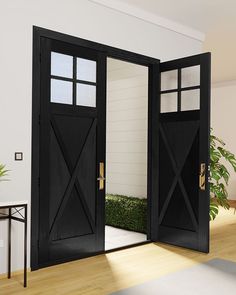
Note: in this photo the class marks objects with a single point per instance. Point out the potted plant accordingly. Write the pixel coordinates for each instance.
(219, 175)
(3, 172)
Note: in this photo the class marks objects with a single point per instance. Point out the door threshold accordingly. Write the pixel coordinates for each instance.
(127, 246)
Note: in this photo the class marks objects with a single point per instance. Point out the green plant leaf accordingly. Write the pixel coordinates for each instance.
(219, 174)
(216, 139)
(214, 210)
(3, 172)
(228, 157)
(215, 155)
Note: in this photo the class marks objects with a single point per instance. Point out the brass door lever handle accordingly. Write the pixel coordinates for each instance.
(202, 177)
(101, 177)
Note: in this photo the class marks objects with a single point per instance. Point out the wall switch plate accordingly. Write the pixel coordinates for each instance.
(18, 156)
(1, 243)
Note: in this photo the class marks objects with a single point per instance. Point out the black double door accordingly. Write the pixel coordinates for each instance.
(72, 122)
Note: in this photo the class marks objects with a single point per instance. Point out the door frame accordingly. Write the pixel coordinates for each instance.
(153, 118)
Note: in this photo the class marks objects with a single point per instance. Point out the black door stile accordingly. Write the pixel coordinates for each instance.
(43, 238)
(204, 197)
(101, 148)
(183, 203)
(153, 150)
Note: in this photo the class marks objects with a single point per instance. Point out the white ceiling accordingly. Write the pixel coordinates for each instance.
(201, 15)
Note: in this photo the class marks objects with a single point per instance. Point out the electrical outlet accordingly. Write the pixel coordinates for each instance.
(1, 244)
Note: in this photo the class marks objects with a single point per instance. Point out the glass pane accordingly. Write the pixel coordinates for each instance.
(190, 76)
(61, 91)
(169, 80)
(61, 65)
(169, 102)
(86, 95)
(86, 70)
(190, 100)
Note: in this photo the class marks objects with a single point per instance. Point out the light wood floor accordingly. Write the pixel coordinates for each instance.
(118, 270)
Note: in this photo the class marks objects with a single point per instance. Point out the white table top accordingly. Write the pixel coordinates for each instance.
(12, 203)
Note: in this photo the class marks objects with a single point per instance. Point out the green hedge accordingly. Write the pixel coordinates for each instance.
(126, 212)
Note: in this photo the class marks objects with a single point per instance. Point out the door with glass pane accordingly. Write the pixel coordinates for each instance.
(72, 152)
(184, 127)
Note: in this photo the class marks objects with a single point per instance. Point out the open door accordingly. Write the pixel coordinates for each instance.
(183, 131)
(72, 152)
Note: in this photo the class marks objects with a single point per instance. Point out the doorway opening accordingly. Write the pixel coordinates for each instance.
(126, 154)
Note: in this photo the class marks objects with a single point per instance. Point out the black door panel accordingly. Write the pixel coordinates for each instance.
(184, 128)
(71, 206)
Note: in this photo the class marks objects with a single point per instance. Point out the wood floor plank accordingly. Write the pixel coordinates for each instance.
(104, 274)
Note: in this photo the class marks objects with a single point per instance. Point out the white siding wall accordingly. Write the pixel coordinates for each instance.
(127, 107)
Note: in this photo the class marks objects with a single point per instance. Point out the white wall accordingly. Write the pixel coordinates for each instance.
(223, 121)
(126, 148)
(222, 45)
(76, 17)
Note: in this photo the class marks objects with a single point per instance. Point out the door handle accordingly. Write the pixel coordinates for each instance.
(101, 179)
(202, 177)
